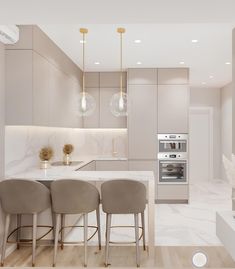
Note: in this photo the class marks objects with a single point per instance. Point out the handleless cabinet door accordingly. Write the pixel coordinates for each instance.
(173, 104)
(111, 165)
(107, 119)
(93, 121)
(173, 76)
(41, 90)
(142, 122)
(19, 87)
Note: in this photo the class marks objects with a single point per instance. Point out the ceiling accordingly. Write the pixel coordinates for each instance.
(165, 27)
(162, 45)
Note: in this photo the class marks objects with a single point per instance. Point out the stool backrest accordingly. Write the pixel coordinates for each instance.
(19, 196)
(71, 196)
(123, 196)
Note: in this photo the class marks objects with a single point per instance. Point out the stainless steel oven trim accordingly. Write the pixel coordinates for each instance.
(173, 183)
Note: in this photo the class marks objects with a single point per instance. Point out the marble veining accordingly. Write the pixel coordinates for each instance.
(23, 143)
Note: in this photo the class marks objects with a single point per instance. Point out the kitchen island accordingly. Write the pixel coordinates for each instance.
(96, 178)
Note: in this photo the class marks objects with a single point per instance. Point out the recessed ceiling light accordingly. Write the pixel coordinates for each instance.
(138, 63)
(227, 63)
(203, 83)
(81, 41)
(96, 63)
(182, 62)
(211, 76)
(137, 41)
(194, 41)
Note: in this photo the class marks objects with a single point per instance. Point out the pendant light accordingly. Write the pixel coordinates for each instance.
(118, 103)
(86, 102)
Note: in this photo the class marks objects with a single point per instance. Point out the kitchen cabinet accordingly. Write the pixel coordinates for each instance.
(144, 165)
(172, 192)
(142, 122)
(88, 167)
(102, 86)
(142, 76)
(42, 83)
(173, 76)
(113, 165)
(107, 119)
(173, 105)
(19, 81)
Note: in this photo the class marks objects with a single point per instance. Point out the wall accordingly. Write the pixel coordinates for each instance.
(204, 97)
(24, 142)
(2, 123)
(226, 124)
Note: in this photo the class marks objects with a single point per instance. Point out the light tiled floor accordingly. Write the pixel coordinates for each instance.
(190, 224)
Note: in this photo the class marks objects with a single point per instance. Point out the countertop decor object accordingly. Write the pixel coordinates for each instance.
(45, 155)
(118, 102)
(86, 102)
(67, 149)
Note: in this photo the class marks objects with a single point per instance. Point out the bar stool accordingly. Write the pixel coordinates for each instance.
(74, 197)
(124, 196)
(19, 196)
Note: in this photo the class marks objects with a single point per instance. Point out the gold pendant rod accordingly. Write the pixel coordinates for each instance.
(83, 31)
(121, 31)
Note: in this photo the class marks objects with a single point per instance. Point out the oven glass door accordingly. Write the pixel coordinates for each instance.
(172, 171)
(172, 146)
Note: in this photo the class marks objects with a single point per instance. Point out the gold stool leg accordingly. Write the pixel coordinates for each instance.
(18, 230)
(108, 227)
(85, 219)
(62, 230)
(98, 225)
(57, 227)
(137, 240)
(7, 224)
(143, 230)
(34, 238)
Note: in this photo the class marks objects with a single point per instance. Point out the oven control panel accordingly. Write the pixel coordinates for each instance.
(172, 156)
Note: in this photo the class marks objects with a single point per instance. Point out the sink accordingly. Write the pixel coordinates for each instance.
(73, 163)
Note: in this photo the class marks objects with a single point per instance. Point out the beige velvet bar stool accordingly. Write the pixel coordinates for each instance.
(74, 197)
(124, 196)
(19, 196)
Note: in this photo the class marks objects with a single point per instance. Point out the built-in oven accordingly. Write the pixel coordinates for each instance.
(172, 142)
(172, 168)
(173, 158)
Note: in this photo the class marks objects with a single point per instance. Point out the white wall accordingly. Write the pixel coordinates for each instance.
(210, 97)
(233, 93)
(226, 123)
(2, 122)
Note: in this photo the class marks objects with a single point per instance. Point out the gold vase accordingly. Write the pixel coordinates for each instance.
(44, 165)
(67, 160)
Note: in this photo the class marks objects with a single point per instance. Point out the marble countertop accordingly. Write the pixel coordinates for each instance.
(72, 172)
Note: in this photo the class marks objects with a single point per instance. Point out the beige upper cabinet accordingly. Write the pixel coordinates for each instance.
(102, 86)
(42, 83)
(142, 122)
(142, 76)
(107, 119)
(173, 76)
(19, 83)
(173, 104)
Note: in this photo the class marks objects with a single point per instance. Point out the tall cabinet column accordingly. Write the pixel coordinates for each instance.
(142, 119)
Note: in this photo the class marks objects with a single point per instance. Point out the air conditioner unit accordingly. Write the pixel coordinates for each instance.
(9, 34)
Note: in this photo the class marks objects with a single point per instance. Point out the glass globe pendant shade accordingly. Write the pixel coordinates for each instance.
(86, 104)
(118, 104)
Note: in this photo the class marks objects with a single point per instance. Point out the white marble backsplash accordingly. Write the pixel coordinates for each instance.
(23, 143)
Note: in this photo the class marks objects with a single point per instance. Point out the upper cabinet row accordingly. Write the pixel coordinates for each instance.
(102, 86)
